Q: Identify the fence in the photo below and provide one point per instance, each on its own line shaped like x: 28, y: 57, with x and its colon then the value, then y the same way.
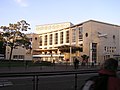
x: 35, y: 75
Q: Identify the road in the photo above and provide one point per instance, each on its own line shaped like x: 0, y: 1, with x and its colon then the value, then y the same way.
x: 59, y: 82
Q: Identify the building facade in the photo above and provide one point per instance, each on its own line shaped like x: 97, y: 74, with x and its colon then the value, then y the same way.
x: 51, y: 36
x: 18, y: 53
x: 63, y: 41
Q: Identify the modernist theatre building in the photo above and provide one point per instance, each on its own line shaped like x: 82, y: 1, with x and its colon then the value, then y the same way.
x: 64, y: 41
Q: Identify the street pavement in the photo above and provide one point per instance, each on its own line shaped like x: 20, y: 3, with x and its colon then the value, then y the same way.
x: 47, y: 82
x: 43, y: 68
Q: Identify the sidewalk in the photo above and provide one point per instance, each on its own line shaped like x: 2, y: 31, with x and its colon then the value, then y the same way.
x: 42, y: 68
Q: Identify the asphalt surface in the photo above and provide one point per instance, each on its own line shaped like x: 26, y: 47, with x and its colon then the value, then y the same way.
x: 57, y: 82
x: 44, y: 68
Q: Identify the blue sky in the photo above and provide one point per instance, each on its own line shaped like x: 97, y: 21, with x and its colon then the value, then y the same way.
x: 37, y: 12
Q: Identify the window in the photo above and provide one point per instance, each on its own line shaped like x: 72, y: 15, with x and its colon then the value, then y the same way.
x: 94, y: 52
x: 80, y: 45
x: 61, y: 37
x: 80, y: 33
x: 15, y: 56
x: 21, y: 56
x: 56, y: 38
x: 35, y: 38
x: 50, y: 40
x: 113, y: 36
x: 105, y: 48
x: 67, y: 36
x: 18, y: 57
x: 74, y: 35
x: 45, y: 42
x: 40, y: 40
x: 86, y: 34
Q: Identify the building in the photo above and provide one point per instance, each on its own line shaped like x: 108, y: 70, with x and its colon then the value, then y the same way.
x: 64, y: 41
x: 48, y: 47
x: 19, y: 52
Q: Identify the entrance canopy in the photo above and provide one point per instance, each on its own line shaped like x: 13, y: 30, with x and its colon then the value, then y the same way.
x: 66, y: 48
x: 38, y: 51
x: 63, y: 48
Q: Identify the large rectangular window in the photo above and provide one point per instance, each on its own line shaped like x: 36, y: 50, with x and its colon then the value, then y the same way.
x: 80, y: 33
x: 73, y: 35
x: 67, y: 36
x: 40, y: 40
x: 50, y: 39
x: 56, y: 38
x: 45, y: 42
x: 61, y: 37
x: 94, y: 52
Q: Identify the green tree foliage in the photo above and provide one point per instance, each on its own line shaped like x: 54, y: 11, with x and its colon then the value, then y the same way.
x: 2, y: 48
x: 1, y: 36
x: 13, y: 35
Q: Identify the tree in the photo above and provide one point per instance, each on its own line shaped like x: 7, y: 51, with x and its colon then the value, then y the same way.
x: 1, y: 37
x: 13, y: 35
x: 2, y: 47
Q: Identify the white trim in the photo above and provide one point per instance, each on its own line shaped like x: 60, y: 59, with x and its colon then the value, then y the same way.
x: 48, y: 55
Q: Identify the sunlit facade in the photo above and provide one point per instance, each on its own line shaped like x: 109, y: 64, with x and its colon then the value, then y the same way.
x: 98, y: 40
x: 18, y: 53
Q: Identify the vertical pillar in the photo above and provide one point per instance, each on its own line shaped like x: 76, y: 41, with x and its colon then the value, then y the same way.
x: 70, y: 55
x: 70, y: 39
x: 90, y: 52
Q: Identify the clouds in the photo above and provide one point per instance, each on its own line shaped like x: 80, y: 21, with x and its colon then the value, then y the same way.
x: 22, y: 3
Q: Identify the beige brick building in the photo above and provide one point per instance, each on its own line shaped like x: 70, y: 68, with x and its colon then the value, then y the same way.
x: 18, y: 53
x: 64, y: 41
x: 97, y: 39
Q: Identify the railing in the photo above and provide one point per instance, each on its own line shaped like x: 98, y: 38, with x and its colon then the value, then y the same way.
x: 54, y: 73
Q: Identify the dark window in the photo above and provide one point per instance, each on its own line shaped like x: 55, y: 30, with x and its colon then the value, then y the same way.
x: 80, y: 34
x: 86, y: 34
x: 45, y: 42
x: 50, y: 40
x: 67, y: 36
x: 56, y: 38
x: 113, y: 36
x: 61, y: 37
x: 40, y: 40
x: 35, y: 38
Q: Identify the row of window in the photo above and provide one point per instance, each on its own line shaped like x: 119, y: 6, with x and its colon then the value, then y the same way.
x: 55, y: 38
x: 18, y: 57
x: 109, y: 49
x: 74, y: 34
x: 106, y: 57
